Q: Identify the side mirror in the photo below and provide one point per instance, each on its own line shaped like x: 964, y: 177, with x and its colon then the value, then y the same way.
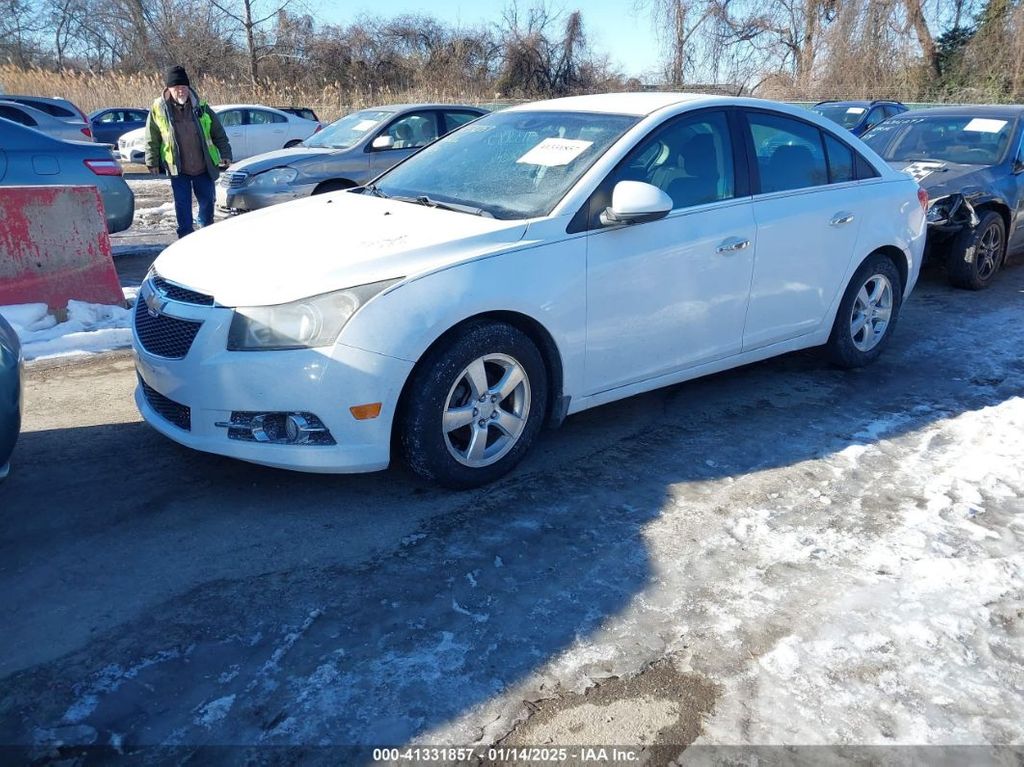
x: 383, y: 142
x: 636, y: 202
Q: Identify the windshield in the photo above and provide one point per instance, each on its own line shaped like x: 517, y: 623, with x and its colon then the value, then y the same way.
x: 510, y: 165
x: 346, y: 132
x: 844, y: 114
x: 960, y: 139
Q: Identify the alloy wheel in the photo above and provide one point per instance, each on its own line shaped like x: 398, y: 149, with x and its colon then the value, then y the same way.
x: 486, y: 410
x: 872, y: 311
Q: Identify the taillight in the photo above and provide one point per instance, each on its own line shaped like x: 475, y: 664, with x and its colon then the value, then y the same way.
x: 922, y: 197
x: 88, y: 132
x: 319, y: 128
x: 104, y: 167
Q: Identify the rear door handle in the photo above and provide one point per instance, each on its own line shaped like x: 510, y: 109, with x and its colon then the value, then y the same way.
x: 841, y: 218
x: 732, y: 245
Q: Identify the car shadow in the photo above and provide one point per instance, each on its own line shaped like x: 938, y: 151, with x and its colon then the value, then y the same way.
x: 298, y: 612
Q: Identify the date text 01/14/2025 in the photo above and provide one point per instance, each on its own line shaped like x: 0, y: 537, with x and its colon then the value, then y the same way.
x: 504, y: 754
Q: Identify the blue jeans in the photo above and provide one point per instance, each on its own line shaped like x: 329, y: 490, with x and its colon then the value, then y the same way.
x: 182, y: 187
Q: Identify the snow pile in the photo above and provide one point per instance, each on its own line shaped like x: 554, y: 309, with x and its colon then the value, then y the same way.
x: 916, y: 636
x: 89, y: 328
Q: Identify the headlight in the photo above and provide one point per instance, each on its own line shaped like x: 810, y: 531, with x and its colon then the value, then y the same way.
x: 941, y: 209
x: 304, y: 324
x: 273, y: 177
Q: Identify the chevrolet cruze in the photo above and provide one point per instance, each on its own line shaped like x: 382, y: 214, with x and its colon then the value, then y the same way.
x: 542, y: 260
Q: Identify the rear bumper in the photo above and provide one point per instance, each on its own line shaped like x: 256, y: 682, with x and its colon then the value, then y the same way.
x: 118, y: 202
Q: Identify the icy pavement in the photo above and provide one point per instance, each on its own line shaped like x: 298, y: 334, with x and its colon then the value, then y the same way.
x: 817, y: 556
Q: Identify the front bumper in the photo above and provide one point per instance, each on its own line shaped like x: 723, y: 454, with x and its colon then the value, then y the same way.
x: 213, y: 382
x: 257, y: 197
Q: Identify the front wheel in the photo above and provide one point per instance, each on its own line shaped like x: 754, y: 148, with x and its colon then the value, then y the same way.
x: 474, y: 405
x: 867, y: 314
x: 976, y: 254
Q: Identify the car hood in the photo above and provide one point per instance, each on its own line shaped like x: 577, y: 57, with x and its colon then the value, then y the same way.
x: 281, y: 157
x: 131, y: 135
x: 942, y: 178
x: 324, y: 243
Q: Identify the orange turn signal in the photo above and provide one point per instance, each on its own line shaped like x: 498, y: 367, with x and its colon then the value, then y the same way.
x: 365, y: 412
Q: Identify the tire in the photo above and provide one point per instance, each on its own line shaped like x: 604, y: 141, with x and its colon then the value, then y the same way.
x: 977, y: 254
x: 867, y: 314
x: 447, y: 433
x: 294, y: 142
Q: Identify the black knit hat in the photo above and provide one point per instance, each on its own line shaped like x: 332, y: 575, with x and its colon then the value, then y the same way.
x: 176, y: 75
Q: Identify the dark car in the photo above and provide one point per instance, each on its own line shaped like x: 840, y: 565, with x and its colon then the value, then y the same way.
x: 108, y: 125
x: 31, y: 158
x: 347, y: 153
x: 858, y: 117
x: 970, y: 161
x: 304, y: 112
x: 10, y: 394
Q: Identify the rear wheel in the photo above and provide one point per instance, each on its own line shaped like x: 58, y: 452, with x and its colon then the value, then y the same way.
x: 977, y: 254
x: 474, y: 406
x: 867, y: 314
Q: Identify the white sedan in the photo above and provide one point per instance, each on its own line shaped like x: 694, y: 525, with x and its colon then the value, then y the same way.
x: 542, y: 260
x: 252, y: 129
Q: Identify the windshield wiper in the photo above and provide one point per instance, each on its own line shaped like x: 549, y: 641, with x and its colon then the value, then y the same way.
x: 375, y: 191
x: 422, y: 199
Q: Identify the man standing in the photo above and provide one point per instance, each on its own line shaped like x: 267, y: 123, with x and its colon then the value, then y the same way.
x: 185, y: 136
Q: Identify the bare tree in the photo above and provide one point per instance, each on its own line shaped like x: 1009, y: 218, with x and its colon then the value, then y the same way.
x: 250, y: 25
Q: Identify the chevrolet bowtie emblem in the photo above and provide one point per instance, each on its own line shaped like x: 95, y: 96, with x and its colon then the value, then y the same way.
x: 152, y: 304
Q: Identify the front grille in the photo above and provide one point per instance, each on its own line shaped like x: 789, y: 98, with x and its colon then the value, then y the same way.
x: 178, y: 293
x: 179, y: 415
x: 233, y: 179
x: 164, y: 336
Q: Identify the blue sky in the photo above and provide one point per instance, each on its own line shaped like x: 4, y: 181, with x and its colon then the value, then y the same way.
x: 613, y: 28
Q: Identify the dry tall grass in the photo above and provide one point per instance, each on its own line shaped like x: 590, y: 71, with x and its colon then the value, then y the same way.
x: 95, y: 91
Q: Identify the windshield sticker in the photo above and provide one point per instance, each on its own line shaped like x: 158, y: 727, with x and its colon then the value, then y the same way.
x: 552, y: 152
x: 920, y: 170
x: 985, y: 126
x: 363, y: 125
x: 856, y: 111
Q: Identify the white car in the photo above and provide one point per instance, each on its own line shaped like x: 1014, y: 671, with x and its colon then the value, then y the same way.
x: 252, y: 129
x: 540, y: 261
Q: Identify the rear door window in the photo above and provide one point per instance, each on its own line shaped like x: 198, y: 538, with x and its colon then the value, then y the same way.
x: 788, y: 151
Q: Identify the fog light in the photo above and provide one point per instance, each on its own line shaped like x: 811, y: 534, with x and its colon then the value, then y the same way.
x: 278, y: 428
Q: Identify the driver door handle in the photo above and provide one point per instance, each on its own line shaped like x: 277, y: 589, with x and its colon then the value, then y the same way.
x: 841, y: 218
x: 732, y: 245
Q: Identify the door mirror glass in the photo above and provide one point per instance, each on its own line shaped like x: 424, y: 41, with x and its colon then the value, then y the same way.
x: 383, y: 142
x: 635, y: 202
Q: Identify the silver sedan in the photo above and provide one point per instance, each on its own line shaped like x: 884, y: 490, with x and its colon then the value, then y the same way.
x: 347, y: 153
x: 31, y: 117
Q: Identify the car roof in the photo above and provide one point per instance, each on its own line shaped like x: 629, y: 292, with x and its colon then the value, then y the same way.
x: 859, y: 102
x: 1006, y: 111
x: 424, y: 105
x: 222, y: 107
x: 28, y: 108
x: 116, y: 109
x: 634, y: 103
